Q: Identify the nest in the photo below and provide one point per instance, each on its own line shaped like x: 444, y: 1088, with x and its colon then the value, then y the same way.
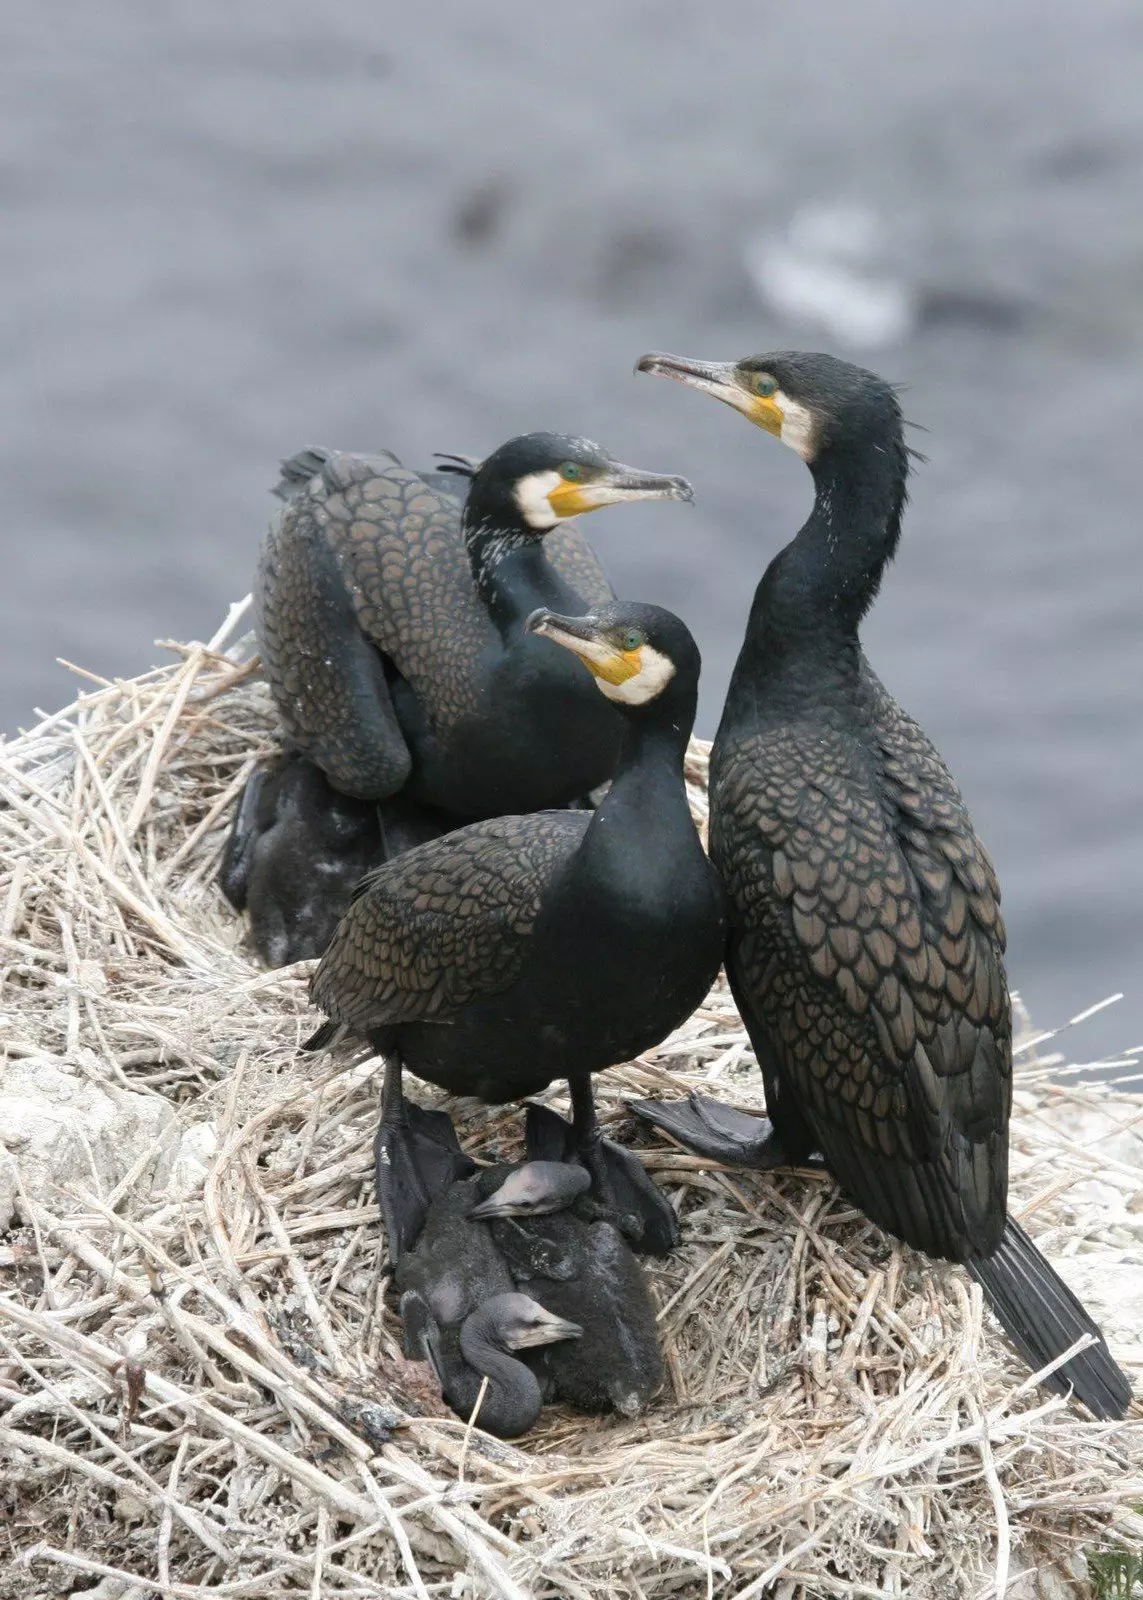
x: 202, y: 1388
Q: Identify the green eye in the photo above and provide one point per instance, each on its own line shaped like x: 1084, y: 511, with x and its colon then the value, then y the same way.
x: 571, y: 471
x: 764, y: 385
x: 632, y: 639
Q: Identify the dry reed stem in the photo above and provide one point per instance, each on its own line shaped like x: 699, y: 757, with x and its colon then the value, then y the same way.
x: 204, y: 1393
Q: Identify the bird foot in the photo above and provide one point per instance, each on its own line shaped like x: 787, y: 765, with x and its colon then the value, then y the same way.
x: 620, y: 1186
x: 715, y: 1130
x: 417, y: 1159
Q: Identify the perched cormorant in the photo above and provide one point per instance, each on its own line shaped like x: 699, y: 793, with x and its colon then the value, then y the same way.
x: 866, y: 942
x: 554, y: 945
x: 485, y: 1345
x: 391, y: 628
x: 295, y: 851
x: 579, y: 1269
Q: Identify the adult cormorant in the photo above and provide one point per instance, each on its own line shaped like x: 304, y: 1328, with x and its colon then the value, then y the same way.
x: 391, y: 628
x: 554, y: 945
x: 866, y: 942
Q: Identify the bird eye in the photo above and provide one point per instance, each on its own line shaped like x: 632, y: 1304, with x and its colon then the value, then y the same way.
x: 765, y: 385
x: 632, y: 639
x: 571, y: 471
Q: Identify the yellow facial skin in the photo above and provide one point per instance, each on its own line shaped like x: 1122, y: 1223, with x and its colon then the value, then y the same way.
x: 573, y: 499
x: 601, y: 659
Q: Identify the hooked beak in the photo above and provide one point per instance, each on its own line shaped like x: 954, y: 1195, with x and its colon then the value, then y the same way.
x: 547, y: 1329
x: 719, y: 378
x: 614, y: 485
x: 584, y: 637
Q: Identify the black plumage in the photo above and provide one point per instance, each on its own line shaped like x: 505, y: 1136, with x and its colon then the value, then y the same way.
x: 390, y: 610
x: 579, y: 1267
x: 391, y: 624
x: 866, y: 940
x: 295, y: 851
x: 527, y: 948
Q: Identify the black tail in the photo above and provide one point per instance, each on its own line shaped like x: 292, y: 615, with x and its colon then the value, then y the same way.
x: 322, y: 1037
x: 1042, y: 1317
x: 298, y: 470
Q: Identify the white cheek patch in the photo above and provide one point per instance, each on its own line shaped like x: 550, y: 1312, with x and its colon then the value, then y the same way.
x: 797, y: 426
x: 655, y: 672
x: 532, y: 498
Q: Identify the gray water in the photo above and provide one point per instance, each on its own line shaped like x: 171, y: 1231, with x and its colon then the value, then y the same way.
x: 230, y: 231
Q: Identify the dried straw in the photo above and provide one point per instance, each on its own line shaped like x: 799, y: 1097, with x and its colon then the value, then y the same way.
x: 207, y: 1395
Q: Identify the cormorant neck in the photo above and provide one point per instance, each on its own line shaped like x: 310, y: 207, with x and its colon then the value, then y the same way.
x: 511, y: 570
x: 513, y: 1399
x: 818, y: 589
x: 651, y: 756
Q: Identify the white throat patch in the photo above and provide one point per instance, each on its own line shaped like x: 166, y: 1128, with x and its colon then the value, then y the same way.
x: 797, y: 425
x: 532, y: 498
x: 655, y: 672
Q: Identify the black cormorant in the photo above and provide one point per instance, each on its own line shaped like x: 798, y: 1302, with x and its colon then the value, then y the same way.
x: 554, y: 945
x: 390, y: 624
x: 866, y: 943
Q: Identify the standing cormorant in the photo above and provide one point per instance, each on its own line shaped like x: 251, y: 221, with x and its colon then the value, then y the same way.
x: 866, y: 943
x: 391, y: 628
x: 526, y: 948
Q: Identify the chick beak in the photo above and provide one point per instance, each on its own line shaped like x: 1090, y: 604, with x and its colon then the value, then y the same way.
x: 547, y: 1329
x: 584, y: 637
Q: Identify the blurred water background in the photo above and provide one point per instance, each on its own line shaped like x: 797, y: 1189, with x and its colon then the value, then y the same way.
x: 231, y: 231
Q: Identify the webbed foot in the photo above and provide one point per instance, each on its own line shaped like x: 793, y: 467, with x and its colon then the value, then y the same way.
x: 417, y: 1158
x: 718, y: 1131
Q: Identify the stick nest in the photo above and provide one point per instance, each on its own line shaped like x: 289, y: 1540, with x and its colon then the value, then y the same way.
x: 204, y: 1391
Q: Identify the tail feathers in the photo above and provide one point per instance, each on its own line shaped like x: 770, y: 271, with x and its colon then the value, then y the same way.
x: 1043, y: 1318
x: 322, y: 1038
x: 298, y: 470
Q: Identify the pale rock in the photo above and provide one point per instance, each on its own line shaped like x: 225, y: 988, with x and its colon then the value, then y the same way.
x: 59, y: 1129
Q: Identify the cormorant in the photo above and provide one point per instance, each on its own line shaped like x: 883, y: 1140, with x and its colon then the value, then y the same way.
x: 528, y: 1227
x: 554, y: 945
x: 390, y: 624
x: 579, y: 1269
x: 295, y: 851
x: 866, y: 942
x: 483, y: 1346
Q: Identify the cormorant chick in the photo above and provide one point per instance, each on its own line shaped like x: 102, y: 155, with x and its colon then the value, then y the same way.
x: 485, y: 1346
x: 296, y: 849
x: 555, y: 945
x: 581, y: 1269
x: 866, y: 941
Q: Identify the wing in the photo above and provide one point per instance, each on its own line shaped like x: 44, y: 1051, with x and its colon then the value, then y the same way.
x: 327, y: 679
x: 870, y: 943
x: 398, y: 546
x: 445, y: 923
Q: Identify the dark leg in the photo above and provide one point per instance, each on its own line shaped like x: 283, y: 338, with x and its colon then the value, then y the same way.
x: 618, y: 1179
x: 417, y: 1158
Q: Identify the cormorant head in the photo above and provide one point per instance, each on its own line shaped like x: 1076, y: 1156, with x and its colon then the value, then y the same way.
x: 812, y: 402
x: 518, y: 1322
x: 634, y: 651
x: 534, y: 1190
x: 540, y: 479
